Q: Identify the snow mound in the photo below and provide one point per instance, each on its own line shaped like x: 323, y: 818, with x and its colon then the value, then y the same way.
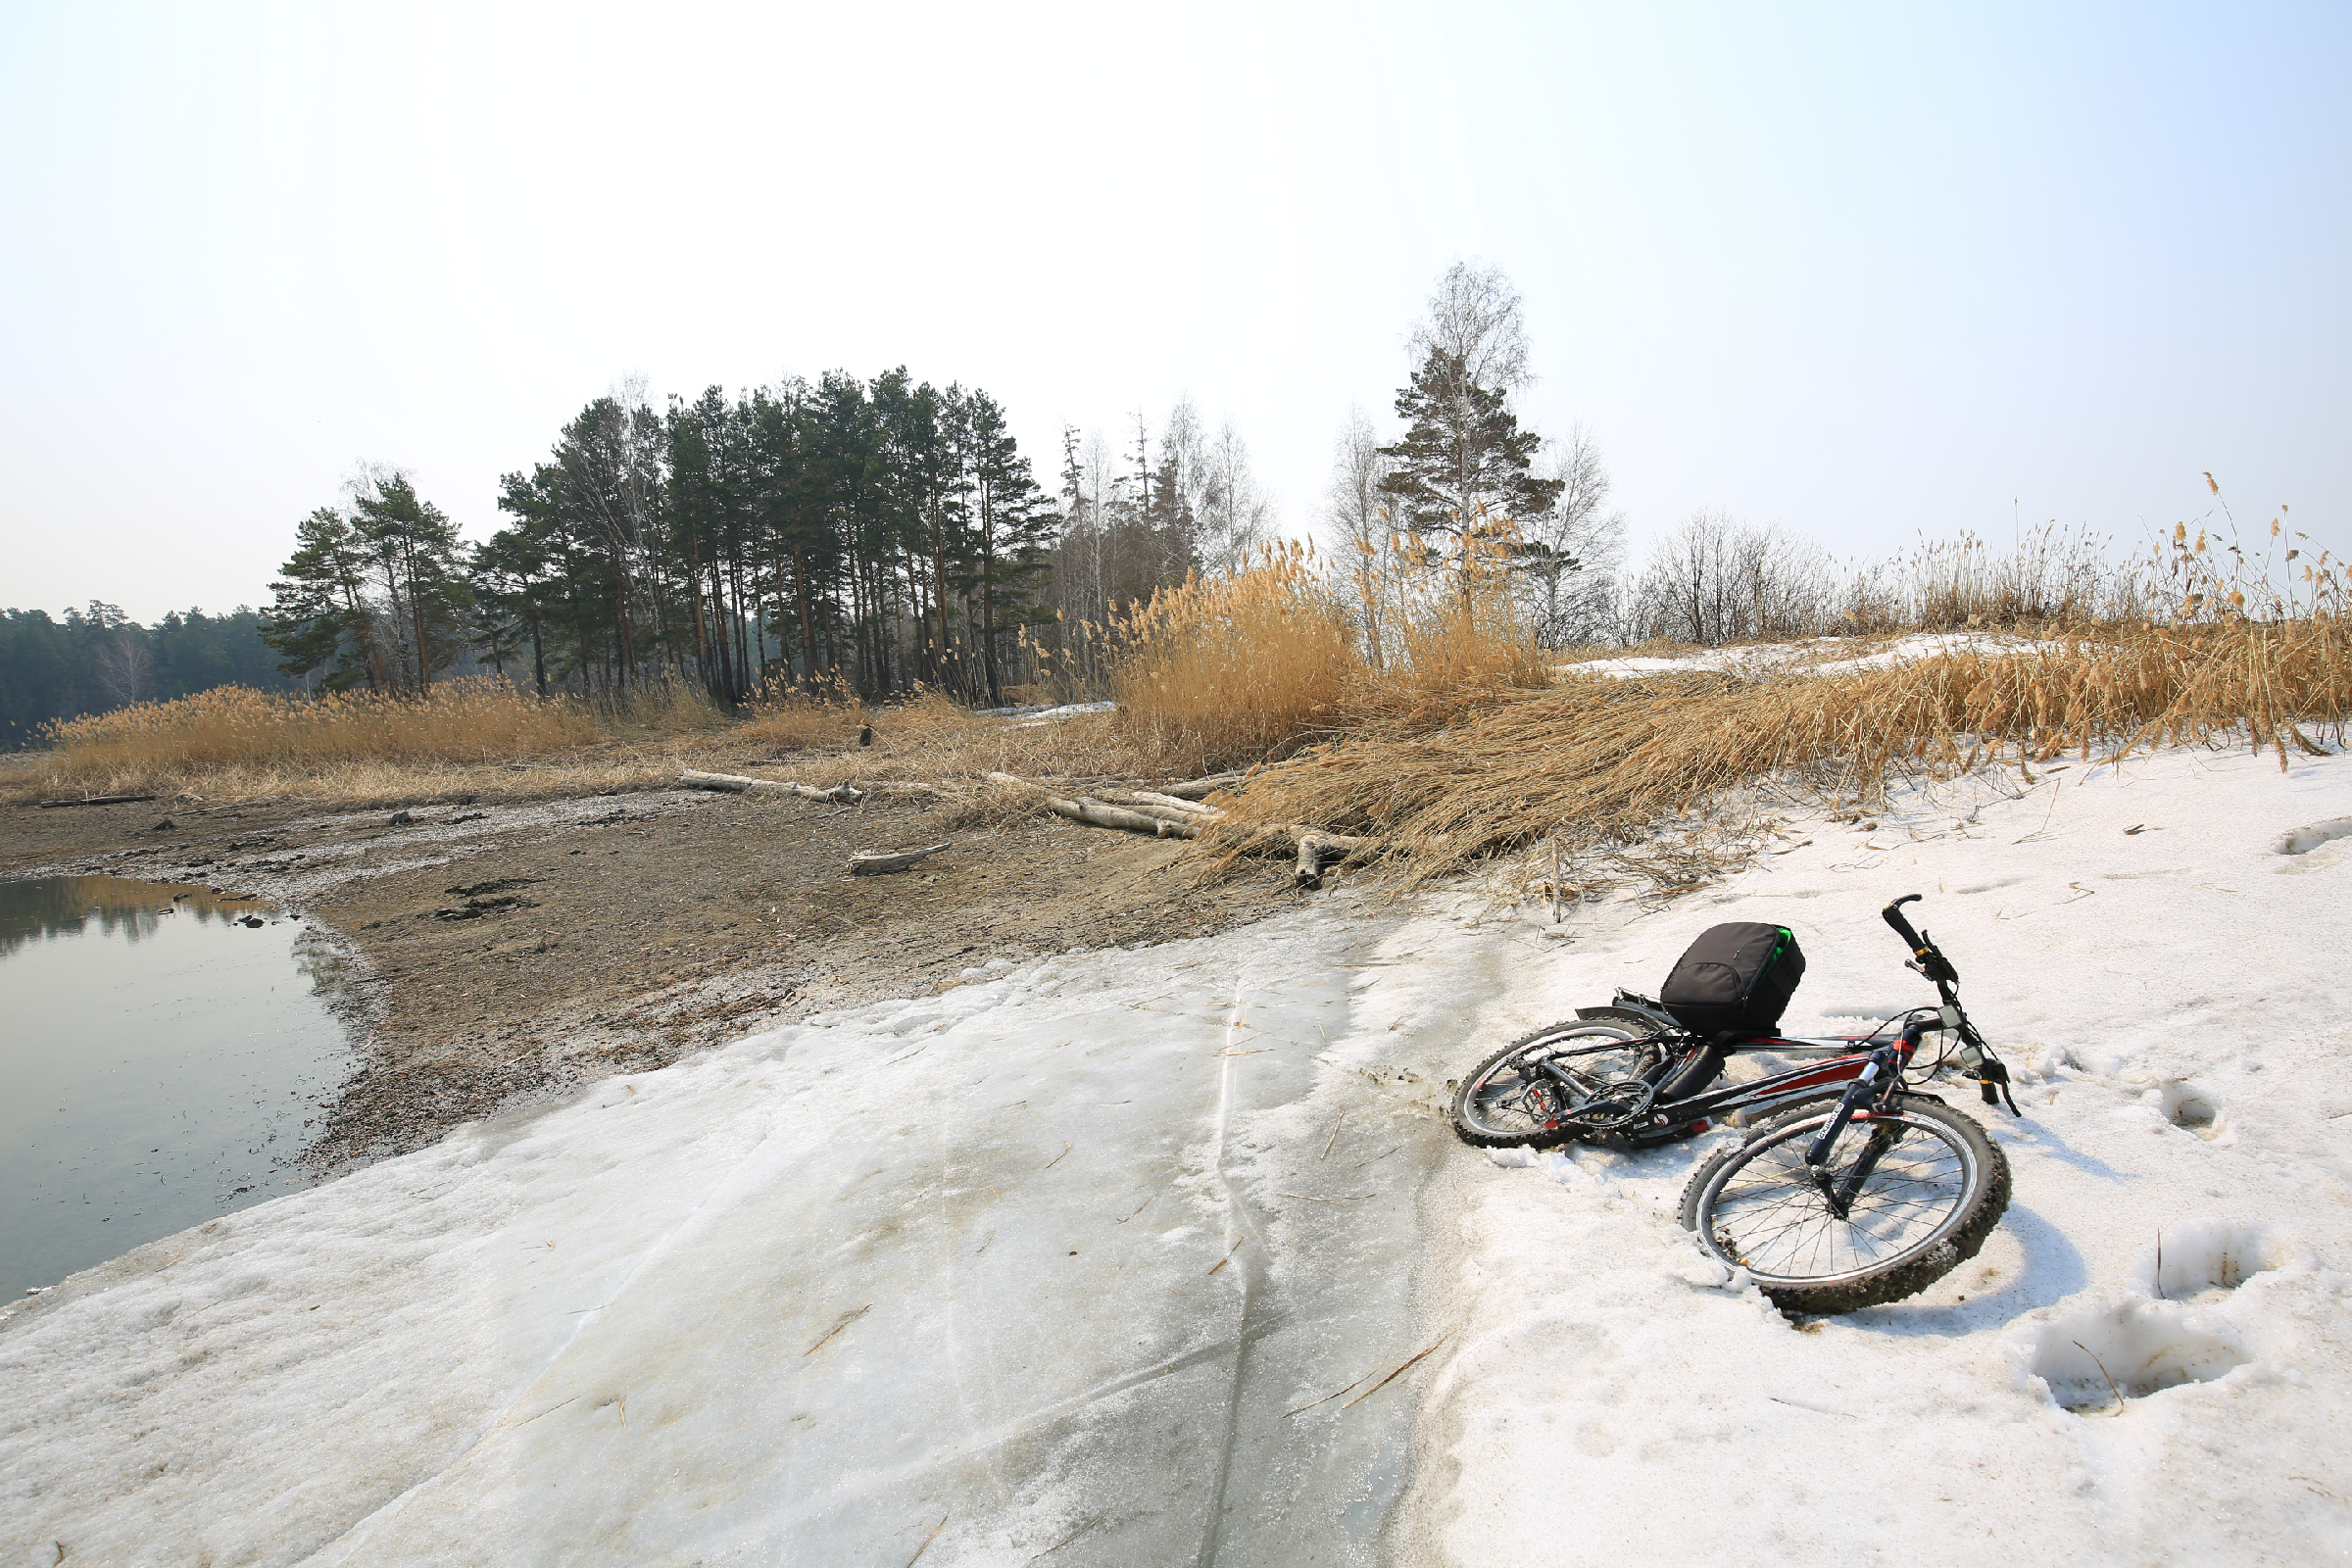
x: 2303, y: 839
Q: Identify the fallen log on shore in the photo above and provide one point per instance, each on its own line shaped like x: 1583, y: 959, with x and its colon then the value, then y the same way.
x: 737, y: 783
x: 1195, y: 789
x: 1314, y: 847
x: 877, y: 865
x: 96, y: 800
x: 1175, y: 813
x: 1100, y: 814
x: 1173, y: 803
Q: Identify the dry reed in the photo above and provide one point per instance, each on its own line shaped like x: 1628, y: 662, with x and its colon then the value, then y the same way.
x: 237, y: 725
x: 1595, y: 764
x: 1238, y: 670
x: 464, y: 736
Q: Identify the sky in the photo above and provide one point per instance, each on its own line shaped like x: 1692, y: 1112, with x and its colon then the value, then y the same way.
x: 1871, y: 272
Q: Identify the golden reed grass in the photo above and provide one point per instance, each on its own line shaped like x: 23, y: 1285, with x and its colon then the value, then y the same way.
x: 460, y: 720
x: 1247, y: 670
x: 1594, y: 762
x: 1236, y: 669
x: 234, y: 743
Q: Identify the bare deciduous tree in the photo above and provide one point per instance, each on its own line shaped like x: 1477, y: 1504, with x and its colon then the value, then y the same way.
x: 125, y: 666
x: 1235, y: 516
x: 1717, y: 580
x: 1358, y: 514
x: 1474, y: 318
x: 1570, y: 553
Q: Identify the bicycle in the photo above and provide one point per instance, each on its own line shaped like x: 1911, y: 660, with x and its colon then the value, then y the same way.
x: 1828, y: 1207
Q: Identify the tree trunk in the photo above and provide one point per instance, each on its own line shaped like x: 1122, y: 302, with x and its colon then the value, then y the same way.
x: 738, y: 784
x: 877, y: 865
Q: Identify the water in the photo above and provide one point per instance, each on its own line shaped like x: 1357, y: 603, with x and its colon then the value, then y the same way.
x: 160, y: 1064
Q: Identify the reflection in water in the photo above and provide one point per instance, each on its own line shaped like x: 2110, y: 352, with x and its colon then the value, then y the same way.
x: 68, y: 905
x: 161, y: 1061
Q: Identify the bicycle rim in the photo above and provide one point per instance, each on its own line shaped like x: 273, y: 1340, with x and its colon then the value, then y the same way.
x: 1765, y: 1214
x: 1514, y: 1097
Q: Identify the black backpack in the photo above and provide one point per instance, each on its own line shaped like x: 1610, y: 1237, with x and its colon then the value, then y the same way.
x: 1735, y: 979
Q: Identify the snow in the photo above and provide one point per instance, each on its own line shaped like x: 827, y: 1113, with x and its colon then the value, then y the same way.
x: 1034, y: 715
x: 2175, y: 1004
x: 1083, y: 1249
x: 999, y: 1257
x: 1813, y: 657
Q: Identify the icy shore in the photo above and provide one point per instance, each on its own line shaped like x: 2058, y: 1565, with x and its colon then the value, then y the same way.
x: 1075, y: 1257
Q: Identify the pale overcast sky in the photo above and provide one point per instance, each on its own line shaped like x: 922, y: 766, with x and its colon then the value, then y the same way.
x: 1866, y: 271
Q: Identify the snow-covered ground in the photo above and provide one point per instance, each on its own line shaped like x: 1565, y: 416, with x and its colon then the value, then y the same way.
x: 1820, y: 655
x: 1042, y: 713
x: 2176, y: 1006
x: 1105, y: 1257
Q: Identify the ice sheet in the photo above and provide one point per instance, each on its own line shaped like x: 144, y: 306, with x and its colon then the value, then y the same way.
x: 1058, y: 1252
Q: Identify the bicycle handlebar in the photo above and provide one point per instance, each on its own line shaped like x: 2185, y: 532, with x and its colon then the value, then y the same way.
x: 1893, y: 914
x: 1977, y: 1060
x: 1932, y: 962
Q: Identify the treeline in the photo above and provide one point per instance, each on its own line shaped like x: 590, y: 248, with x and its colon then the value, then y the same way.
x: 874, y: 534
x: 89, y: 660
x: 1138, y: 516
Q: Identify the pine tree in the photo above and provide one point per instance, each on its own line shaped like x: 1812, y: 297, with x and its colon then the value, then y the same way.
x: 414, y: 555
x: 319, y: 619
x: 1011, y: 532
x: 1464, y: 467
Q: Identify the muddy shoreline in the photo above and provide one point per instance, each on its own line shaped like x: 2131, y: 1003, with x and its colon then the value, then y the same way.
x: 499, y: 955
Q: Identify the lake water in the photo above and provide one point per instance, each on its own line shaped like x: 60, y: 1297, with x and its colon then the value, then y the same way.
x: 161, y: 1063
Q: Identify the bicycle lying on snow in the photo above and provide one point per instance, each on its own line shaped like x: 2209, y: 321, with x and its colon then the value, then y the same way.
x: 1828, y: 1206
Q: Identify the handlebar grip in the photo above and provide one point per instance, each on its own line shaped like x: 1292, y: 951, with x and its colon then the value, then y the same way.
x: 1893, y: 914
x: 1932, y: 964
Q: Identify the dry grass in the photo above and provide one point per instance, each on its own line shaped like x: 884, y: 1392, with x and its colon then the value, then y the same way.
x: 1236, y: 671
x: 465, y: 737
x: 1597, y: 763
x: 928, y: 739
x: 785, y: 716
x: 1462, y: 747
x: 1247, y: 670
x: 234, y: 725
x: 2052, y: 578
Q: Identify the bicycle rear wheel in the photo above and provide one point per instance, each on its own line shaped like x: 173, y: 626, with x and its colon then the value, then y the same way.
x: 1933, y: 1192
x: 1555, y: 1083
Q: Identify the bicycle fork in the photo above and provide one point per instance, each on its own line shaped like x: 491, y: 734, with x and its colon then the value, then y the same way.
x: 1837, y: 1191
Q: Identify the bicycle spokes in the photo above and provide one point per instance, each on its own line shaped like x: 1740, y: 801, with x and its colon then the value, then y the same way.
x: 1897, y: 1182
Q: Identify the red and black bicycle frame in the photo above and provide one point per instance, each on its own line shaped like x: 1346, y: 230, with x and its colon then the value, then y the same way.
x: 1695, y: 1113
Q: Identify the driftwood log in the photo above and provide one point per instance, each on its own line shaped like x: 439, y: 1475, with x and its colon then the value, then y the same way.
x: 877, y: 865
x: 1191, y: 808
x: 96, y: 800
x: 838, y: 795
x: 1314, y: 847
x: 1100, y: 814
x: 1195, y: 789
x: 1175, y: 813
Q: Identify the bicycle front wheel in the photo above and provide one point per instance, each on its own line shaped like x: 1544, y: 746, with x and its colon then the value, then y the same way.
x: 1932, y: 1187
x: 1547, y: 1087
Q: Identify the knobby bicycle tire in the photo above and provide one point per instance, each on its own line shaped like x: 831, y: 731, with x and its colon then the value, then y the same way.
x: 1499, y: 1105
x: 1923, y: 1211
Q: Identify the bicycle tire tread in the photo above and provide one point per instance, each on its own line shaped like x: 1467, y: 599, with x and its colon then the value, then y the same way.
x: 1903, y: 1280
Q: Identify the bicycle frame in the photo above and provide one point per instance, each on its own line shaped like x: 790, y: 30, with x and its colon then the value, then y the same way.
x: 1694, y: 1114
